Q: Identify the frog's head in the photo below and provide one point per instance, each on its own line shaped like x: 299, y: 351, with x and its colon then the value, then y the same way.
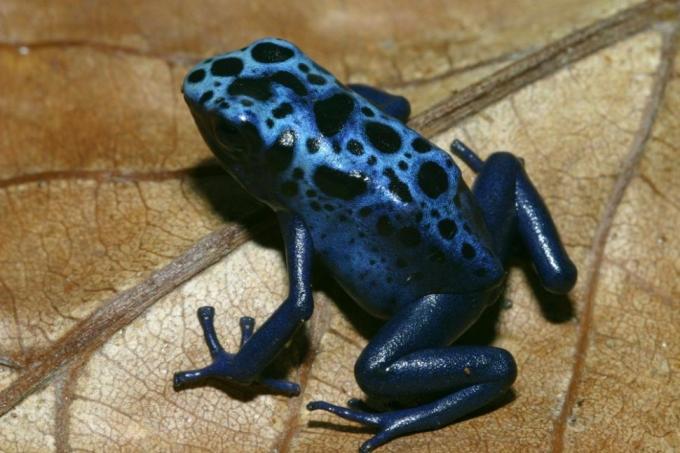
x: 243, y: 101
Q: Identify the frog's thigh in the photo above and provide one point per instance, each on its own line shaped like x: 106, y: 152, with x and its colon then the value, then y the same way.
x: 410, y: 356
x: 394, y: 105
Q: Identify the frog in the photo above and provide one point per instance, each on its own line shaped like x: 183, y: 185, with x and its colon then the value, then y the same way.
x: 388, y: 214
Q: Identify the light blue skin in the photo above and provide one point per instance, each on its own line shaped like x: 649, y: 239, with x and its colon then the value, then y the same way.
x: 390, y: 217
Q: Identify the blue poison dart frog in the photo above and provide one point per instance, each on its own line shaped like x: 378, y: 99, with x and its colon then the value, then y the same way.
x: 391, y: 218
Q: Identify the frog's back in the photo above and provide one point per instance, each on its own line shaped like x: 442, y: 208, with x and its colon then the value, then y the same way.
x: 388, y: 211
x: 391, y: 227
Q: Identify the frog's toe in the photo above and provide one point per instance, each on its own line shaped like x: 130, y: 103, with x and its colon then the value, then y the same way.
x: 281, y: 386
x: 219, y: 369
x: 379, y: 439
x: 354, y: 415
x: 183, y: 378
x: 247, y: 325
x: 388, y: 425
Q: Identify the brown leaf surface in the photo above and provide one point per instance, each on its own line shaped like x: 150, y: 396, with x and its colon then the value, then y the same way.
x: 112, y: 221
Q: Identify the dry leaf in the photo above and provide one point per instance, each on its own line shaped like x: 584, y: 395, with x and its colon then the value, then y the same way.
x: 116, y: 224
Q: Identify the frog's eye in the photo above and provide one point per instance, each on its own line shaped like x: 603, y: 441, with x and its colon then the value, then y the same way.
x: 237, y: 139
x: 230, y: 137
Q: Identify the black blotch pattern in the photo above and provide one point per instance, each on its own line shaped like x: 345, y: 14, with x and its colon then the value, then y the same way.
x: 288, y: 80
x: 224, y: 105
x: 372, y: 160
x: 468, y: 251
x: 270, y: 123
x: 316, y: 79
x: 421, y: 145
x: 268, y: 52
x: 435, y: 213
x: 383, y: 137
x: 419, y: 216
x: 280, y: 155
x: 282, y: 110
x: 397, y: 186
x: 447, y: 228
x: 289, y: 188
x: 313, y: 145
x: 226, y: 67
x: 409, y: 236
x: 368, y: 112
x: 403, y: 165
x: 338, y: 184
x: 247, y: 102
x: 315, y: 206
x: 303, y: 67
x: 258, y: 88
x: 355, y: 147
x: 329, y: 207
x: 298, y: 173
x: 336, y: 148
x: 384, y: 226
x: 432, y: 179
x: 196, y: 76
x: 206, y: 97
x: 332, y: 113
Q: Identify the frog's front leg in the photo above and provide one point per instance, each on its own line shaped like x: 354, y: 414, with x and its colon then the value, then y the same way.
x: 259, y: 348
x: 410, y: 357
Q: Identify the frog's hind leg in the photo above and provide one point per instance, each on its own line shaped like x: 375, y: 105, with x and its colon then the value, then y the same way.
x: 513, y: 209
x: 410, y: 356
x: 391, y: 104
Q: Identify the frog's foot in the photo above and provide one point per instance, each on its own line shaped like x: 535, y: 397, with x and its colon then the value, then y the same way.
x: 433, y: 415
x: 387, y: 428
x: 224, y: 366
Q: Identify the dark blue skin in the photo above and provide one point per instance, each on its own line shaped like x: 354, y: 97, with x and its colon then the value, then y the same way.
x: 389, y: 215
